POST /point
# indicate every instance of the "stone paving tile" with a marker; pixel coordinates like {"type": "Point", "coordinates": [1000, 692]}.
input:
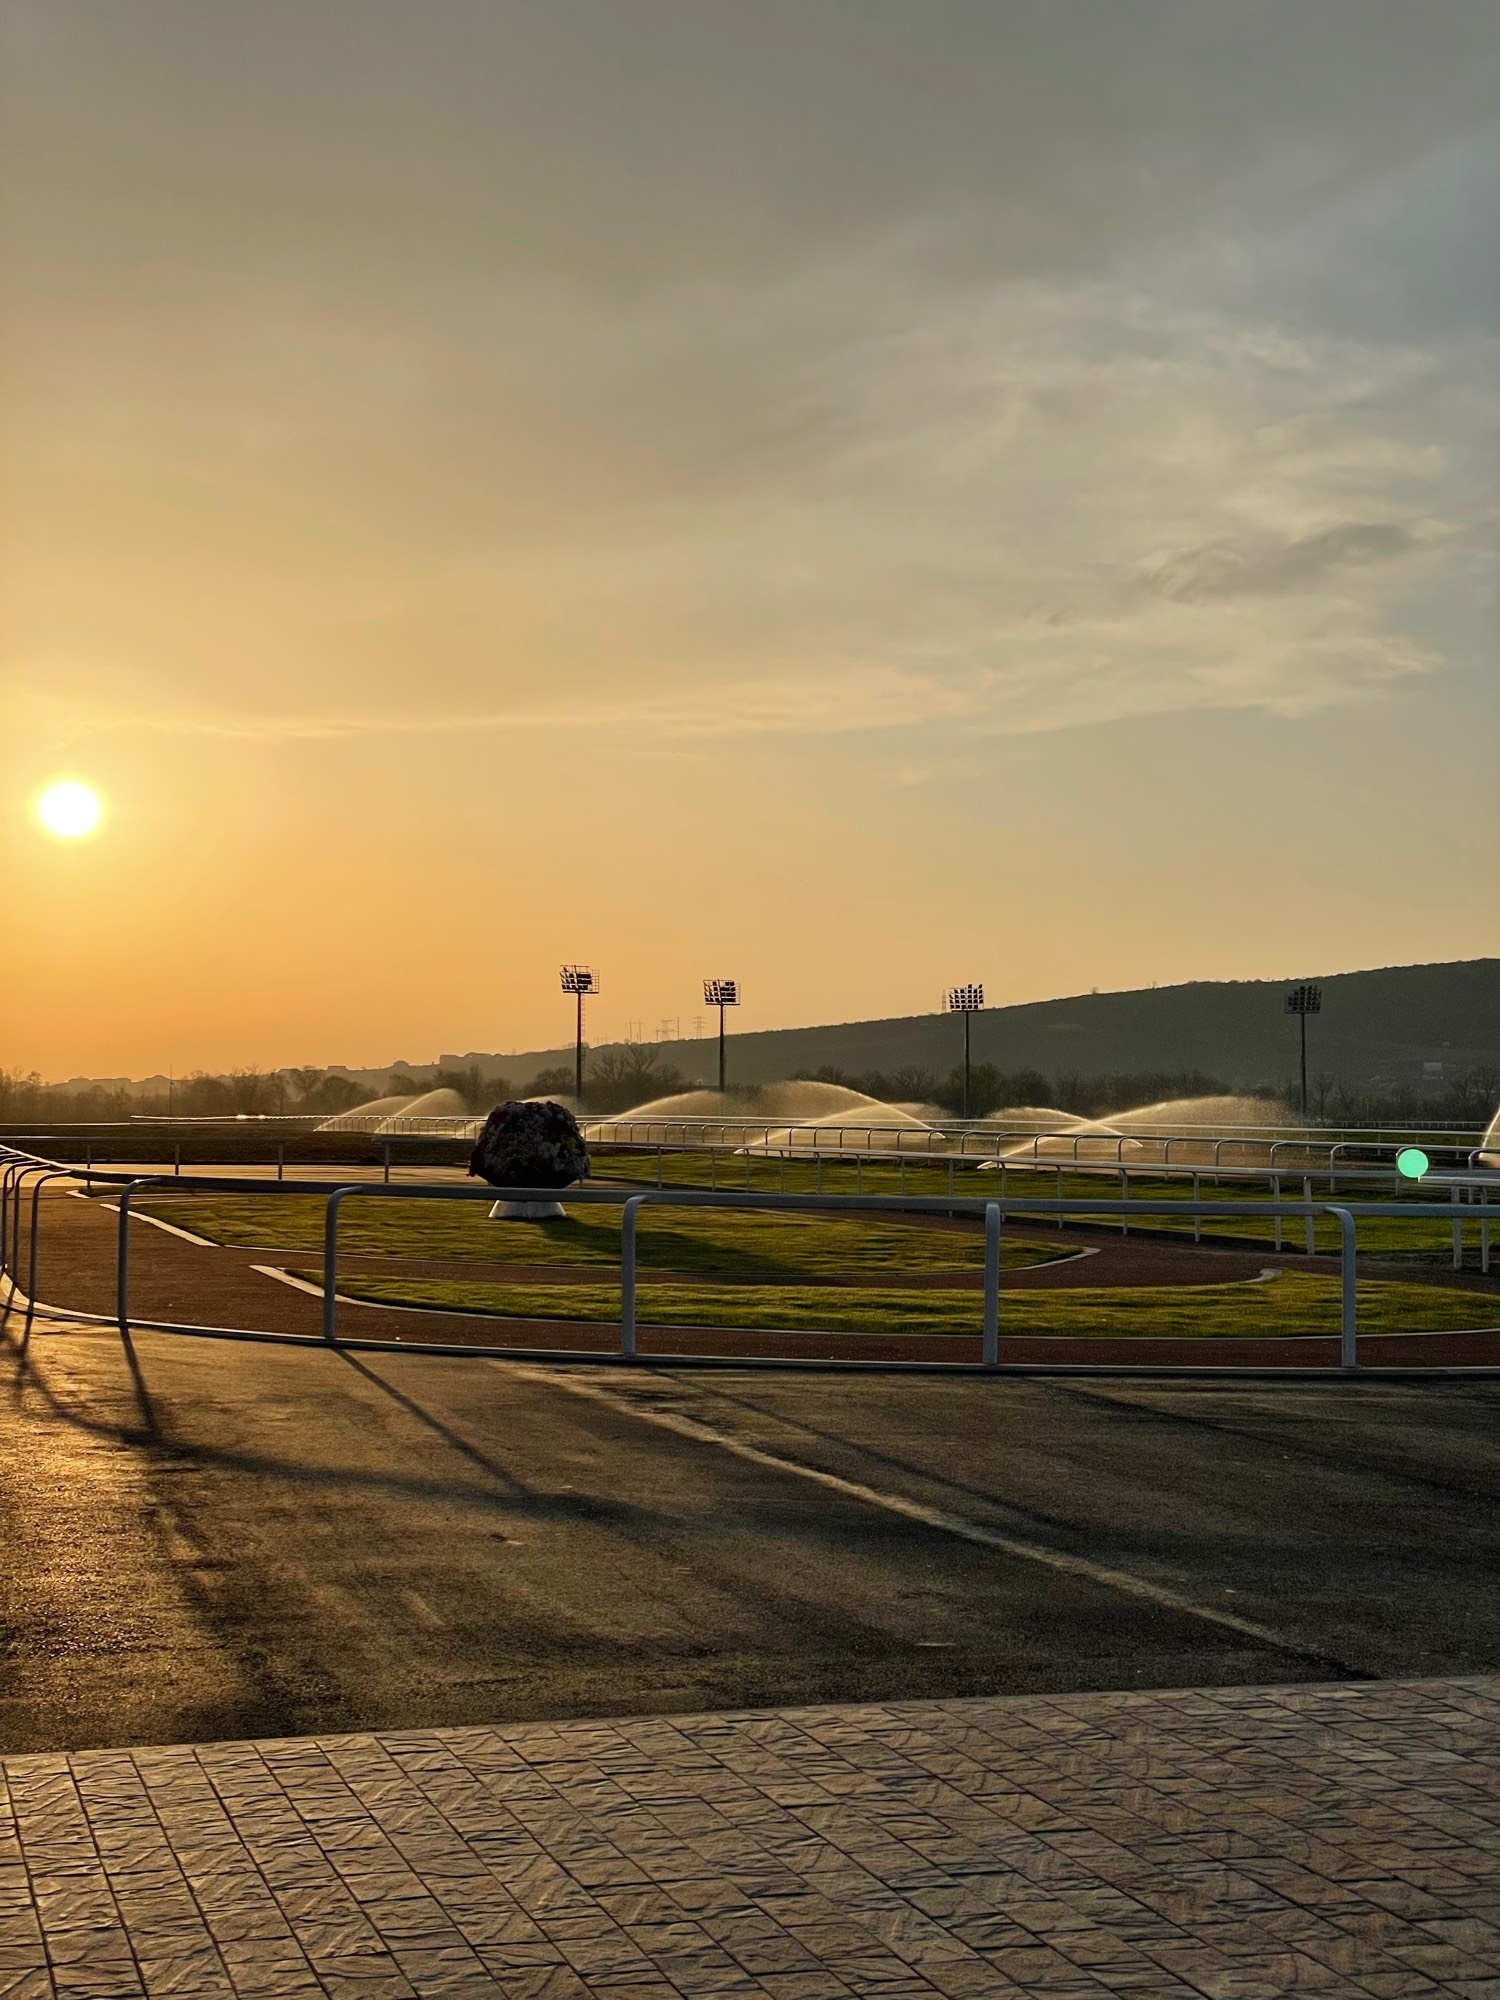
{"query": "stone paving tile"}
{"type": "Point", "coordinates": [1209, 1844]}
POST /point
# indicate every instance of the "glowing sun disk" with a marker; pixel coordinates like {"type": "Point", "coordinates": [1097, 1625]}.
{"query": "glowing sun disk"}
{"type": "Point", "coordinates": [69, 810]}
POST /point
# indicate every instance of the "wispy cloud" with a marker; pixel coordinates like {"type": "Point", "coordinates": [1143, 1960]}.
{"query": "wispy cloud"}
{"type": "Point", "coordinates": [1029, 509]}
{"type": "Point", "coordinates": [1194, 575]}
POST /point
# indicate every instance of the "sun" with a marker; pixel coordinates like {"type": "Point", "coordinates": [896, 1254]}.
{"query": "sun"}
{"type": "Point", "coordinates": [69, 809]}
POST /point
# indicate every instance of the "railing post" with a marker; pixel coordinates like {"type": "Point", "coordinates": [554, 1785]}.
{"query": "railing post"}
{"type": "Point", "coordinates": [1309, 1227]}
{"type": "Point", "coordinates": [1124, 1196]}
{"type": "Point", "coordinates": [18, 1198]}
{"type": "Point", "coordinates": [281, 1160]}
{"type": "Point", "coordinates": [1348, 1289]}
{"type": "Point", "coordinates": [1455, 1196]}
{"type": "Point", "coordinates": [177, 1159]}
{"type": "Point", "coordinates": [627, 1277]}
{"type": "Point", "coordinates": [122, 1260]}
{"type": "Point", "coordinates": [992, 1284]}
{"type": "Point", "coordinates": [1059, 1188]}
{"type": "Point", "coordinates": [11, 1254]}
{"type": "Point", "coordinates": [331, 1262]}
{"type": "Point", "coordinates": [36, 1189]}
{"type": "Point", "coordinates": [1197, 1218]}
{"type": "Point", "coordinates": [10, 1262]}
{"type": "Point", "coordinates": [1276, 1197]}
{"type": "Point", "coordinates": [43, 1180]}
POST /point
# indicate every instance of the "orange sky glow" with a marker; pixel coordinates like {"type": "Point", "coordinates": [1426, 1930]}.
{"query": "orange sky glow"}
{"type": "Point", "coordinates": [854, 498]}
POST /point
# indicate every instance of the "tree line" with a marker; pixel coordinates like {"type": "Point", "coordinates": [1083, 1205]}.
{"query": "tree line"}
{"type": "Point", "coordinates": [620, 1077]}
{"type": "Point", "coordinates": [616, 1079]}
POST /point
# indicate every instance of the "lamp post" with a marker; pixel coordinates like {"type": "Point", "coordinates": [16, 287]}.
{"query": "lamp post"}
{"type": "Point", "coordinates": [580, 982]}
{"type": "Point", "coordinates": [965, 1000]}
{"type": "Point", "coordinates": [1302, 1001]}
{"type": "Point", "coordinates": [721, 993]}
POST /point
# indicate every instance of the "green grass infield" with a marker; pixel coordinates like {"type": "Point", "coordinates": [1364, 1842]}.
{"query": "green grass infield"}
{"type": "Point", "coordinates": [720, 1243]}
{"type": "Point", "coordinates": [1288, 1305]}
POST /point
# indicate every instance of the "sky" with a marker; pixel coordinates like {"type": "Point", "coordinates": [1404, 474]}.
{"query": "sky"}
{"type": "Point", "coordinates": [855, 495]}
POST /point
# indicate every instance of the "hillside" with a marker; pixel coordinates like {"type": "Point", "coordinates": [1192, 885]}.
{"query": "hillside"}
{"type": "Point", "coordinates": [1378, 1029]}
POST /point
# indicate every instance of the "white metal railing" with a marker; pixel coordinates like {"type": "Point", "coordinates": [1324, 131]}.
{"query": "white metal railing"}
{"type": "Point", "coordinates": [25, 1175]}
{"type": "Point", "coordinates": [937, 1151]}
{"type": "Point", "coordinates": [1395, 1132]}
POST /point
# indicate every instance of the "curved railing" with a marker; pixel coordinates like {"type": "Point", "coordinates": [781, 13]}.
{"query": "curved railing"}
{"type": "Point", "coordinates": [23, 1178]}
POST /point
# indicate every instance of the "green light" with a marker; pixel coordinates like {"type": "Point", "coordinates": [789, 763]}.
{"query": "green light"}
{"type": "Point", "coordinates": [1412, 1162]}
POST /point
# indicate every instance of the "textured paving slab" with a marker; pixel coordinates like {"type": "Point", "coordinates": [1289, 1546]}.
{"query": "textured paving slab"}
{"type": "Point", "coordinates": [1227, 1843]}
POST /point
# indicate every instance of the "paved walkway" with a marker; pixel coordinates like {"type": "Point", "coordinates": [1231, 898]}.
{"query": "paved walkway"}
{"type": "Point", "coordinates": [1232, 1844]}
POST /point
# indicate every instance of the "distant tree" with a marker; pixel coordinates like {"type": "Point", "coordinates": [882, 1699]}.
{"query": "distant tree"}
{"type": "Point", "coordinates": [95, 1104]}
{"type": "Point", "coordinates": [250, 1091]}
{"type": "Point", "coordinates": [550, 1083]}
{"type": "Point", "coordinates": [991, 1089]}
{"type": "Point", "coordinates": [631, 1073]}
{"type": "Point", "coordinates": [987, 1091]}
{"type": "Point", "coordinates": [902, 1086]}
{"type": "Point", "coordinates": [1476, 1094]}
{"type": "Point", "coordinates": [1126, 1091]}
{"type": "Point", "coordinates": [478, 1091]}
{"type": "Point", "coordinates": [333, 1093]}
{"type": "Point", "coordinates": [21, 1094]}
{"type": "Point", "coordinates": [912, 1086]}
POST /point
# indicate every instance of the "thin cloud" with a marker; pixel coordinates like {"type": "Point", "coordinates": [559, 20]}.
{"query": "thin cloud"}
{"type": "Point", "coordinates": [1195, 575]}
{"type": "Point", "coordinates": [971, 535]}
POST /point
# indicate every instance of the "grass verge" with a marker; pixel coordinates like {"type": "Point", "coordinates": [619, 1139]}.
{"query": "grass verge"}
{"type": "Point", "coordinates": [1284, 1306]}
{"type": "Point", "coordinates": [774, 1249]}
{"type": "Point", "coordinates": [762, 1175]}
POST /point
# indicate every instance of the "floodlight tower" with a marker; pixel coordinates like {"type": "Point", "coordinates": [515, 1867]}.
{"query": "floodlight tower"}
{"type": "Point", "coordinates": [581, 982]}
{"type": "Point", "coordinates": [721, 993]}
{"type": "Point", "coordinates": [965, 1000]}
{"type": "Point", "coordinates": [1302, 1001]}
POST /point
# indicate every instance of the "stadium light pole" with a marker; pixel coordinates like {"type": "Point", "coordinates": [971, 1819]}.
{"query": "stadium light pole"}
{"type": "Point", "coordinates": [965, 1000]}
{"type": "Point", "coordinates": [721, 993]}
{"type": "Point", "coordinates": [580, 981]}
{"type": "Point", "coordinates": [1302, 1001]}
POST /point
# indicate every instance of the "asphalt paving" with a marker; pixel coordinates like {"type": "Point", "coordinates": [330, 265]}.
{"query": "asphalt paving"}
{"type": "Point", "coordinates": [208, 1539]}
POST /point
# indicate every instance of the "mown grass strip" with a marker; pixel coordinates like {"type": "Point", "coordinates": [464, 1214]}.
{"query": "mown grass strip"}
{"type": "Point", "coordinates": [708, 1242]}
{"type": "Point", "coordinates": [1377, 1234]}
{"type": "Point", "coordinates": [1289, 1305]}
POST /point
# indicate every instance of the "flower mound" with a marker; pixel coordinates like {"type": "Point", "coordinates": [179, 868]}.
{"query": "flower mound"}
{"type": "Point", "coordinates": [530, 1146]}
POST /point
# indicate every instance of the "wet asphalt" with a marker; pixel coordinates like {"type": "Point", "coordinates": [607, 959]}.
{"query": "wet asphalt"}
{"type": "Point", "coordinates": [212, 1539]}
